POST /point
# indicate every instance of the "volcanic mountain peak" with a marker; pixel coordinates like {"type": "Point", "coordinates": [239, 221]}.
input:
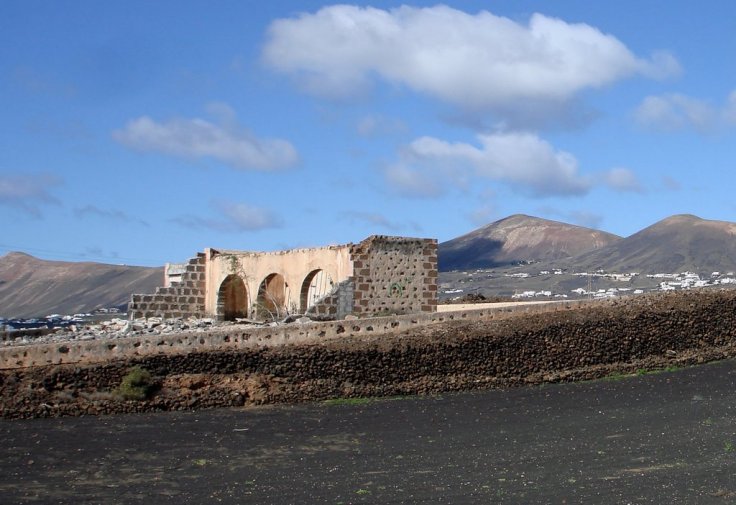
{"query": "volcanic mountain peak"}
{"type": "Point", "coordinates": [691, 222]}
{"type": "Point", "coordinates": [519, 238]}
{"type": "Point", "coordinates": [675, 244]}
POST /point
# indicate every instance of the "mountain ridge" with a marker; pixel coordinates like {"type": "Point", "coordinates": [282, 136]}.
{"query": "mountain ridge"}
{"type": "Point", "coordinates": [33, 287]}
{"type": "Point", "coordinates": [519, 238]}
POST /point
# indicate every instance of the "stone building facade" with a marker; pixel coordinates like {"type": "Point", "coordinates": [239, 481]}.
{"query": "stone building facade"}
{"type": "Point", "coordinates": [381, 275]}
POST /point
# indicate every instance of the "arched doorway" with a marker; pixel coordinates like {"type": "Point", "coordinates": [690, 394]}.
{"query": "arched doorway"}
{"type": "Point", "coordinates": [317, 284]}
{"type": "Point", "coordinates": [232, 299]}
{"type": "Point", "coordinates": [273, 298]}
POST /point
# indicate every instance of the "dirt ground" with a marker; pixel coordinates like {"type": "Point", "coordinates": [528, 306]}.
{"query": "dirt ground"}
{"type": "Point", "coordinates": [668, 437]}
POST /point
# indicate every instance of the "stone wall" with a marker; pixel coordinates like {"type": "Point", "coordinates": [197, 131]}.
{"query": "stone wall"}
{"type": "Point", "coordinates": [573, 343]}
{"type": "Point", "coordinates": [248, 337]}
{"type": "Point", "coordinates": [394, 275]}
{"type": "Point", "coordinates": [335, 305]}
{"type": "Point", "coordinates": [182, 298]}
{"type": "Point", "coordinates": [387, 275]}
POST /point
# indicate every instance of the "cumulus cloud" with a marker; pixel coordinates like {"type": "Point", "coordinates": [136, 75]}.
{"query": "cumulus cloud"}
{"type": "Point", "coordinates": [108, 214]}
{"type": "Point", "coordinates": [233, 217]}
{"type": "Point", "coordinates": [470, 60]}
{"type": "Point", "coordinates": [674, 111]}
{"type": "Point", "coordinates": [525, 162]}
{"type": "Point", "coordinates": [224, 141]}
{"type": "Point", "coordinates": [28, 192]}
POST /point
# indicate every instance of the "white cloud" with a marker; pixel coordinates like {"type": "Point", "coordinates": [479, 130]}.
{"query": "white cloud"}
{"type": "Point", "coordinates": [674, 111]}
{"type": "Point", "coordinates": [474, 61]}
{"type": "Point", "coordinates": [527, 163]}
{"type": "Point", "coordinates": [233, 217]}
{"type": "Point", "coordinates": [28, 192]}
{"type": "Point", "coordinates": [198, 138]}
{"type": "Point", "coordinates": [622, 179]}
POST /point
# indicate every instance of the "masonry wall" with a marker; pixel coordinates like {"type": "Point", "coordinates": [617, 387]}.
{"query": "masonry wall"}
{"type": "Point", "coordinates": [183, 298]}
{"type": "Point", "coordinates": [574, 342]}
{"type": "Point", "coordinates": [394, 275]}
{"type": "Point", "coordinates": [337, 304]}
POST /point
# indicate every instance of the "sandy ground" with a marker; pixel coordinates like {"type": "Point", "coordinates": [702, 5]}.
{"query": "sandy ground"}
{"type": "Point", "coordinates": [658, 438]}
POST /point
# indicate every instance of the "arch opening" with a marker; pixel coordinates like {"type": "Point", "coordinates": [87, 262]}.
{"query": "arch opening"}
{"type": "Point", "coordinates": [232, 299]}
{"type": "Point", "coordinates": [317, 284]}
{"type": "Point", "coordinates": [273, 298]}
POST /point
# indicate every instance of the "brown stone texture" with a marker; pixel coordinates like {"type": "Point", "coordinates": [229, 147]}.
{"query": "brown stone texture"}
{"type": "Point", "coordinates": [175, 300]}
{"type": "Point", "coordinates": [647, 332]}
{"type": "Point", "coordinates": [398, 275]}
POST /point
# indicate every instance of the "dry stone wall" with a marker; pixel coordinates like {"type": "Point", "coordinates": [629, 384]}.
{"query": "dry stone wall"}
{"type": "Point", "coordinates": [183, 298]}
{"type": "Point", "coordinates": [580, 342]}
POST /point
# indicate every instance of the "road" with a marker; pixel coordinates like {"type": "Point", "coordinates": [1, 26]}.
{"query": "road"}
{"type": "Point", "coordinates": [668, 437]}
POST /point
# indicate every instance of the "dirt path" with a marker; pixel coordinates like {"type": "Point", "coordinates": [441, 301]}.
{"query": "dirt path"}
{"type": "Point", "coordinates": [658, 438]}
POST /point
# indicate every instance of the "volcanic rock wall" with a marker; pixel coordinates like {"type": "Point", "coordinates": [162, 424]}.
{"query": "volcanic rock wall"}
{"type": "Point", "coordinates": [394, 275]}
{"type": "Point", "coordinates": [647, 332]}
{"type": "Point", "coordinates": [183, 298]}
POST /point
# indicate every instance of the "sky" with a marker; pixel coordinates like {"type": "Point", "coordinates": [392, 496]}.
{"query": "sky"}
{"type": "Point", "coordinates": [142, 132]}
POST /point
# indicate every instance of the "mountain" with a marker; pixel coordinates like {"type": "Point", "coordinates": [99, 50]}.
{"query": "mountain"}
{"type": "Point", "coordinates": [519, 238]}
{"type": "Point", "coordinates": [31, 287]}
{"type": "Point", "coordinates": [675, 244]}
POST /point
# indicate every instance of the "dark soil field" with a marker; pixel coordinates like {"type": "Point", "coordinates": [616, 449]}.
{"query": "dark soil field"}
{"type": "Point", "coordinates": [667, 437]}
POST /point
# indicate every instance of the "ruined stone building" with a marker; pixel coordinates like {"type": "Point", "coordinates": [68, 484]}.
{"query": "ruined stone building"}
{"type": "Point", "coordinates": [379, 276]}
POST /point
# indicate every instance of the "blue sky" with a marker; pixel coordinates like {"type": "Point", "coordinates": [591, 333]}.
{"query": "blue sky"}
{"type": "Point", "coordinates": [142, 132]}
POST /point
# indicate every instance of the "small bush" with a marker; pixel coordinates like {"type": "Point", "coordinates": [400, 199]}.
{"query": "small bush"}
{"type": "Point", "coordinates": [136, 384]}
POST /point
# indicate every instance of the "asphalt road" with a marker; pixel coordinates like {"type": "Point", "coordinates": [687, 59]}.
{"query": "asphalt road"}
{"type": "Point", "coordinates": [657, 438]}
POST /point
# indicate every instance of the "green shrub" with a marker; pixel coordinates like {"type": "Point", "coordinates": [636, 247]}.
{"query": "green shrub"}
{"type": "Point", "coordinates": [137, 384]}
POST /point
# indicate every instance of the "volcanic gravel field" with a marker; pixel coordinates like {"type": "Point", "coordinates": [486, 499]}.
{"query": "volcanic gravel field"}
{"type": "Point", "coordinates": [667, 437]}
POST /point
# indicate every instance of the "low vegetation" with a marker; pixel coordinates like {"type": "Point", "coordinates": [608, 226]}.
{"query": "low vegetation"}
{"type": "Point", "coordinates": [137, 384]}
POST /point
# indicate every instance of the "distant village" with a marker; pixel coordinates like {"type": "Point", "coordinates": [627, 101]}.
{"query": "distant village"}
{"type": "Point", "coordinates": [57, 320]}
{"type": "Point", "coordinates": [659, 281]}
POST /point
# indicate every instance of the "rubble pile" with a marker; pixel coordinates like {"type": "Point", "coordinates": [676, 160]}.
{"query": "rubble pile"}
{"type": "Point", "coordinates": [123, 328]}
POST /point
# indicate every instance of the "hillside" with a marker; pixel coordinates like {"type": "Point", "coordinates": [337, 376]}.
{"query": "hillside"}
{"type": "Point", "coordinates": [675, 244]}
{"type": "Point", "coordinates": [519, 238]}
{"type": "Point", "coordinates": [31, 287]}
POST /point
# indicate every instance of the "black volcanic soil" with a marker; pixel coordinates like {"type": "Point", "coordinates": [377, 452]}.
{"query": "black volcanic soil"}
{"type": "Point", "coordinates": [659, 438]}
